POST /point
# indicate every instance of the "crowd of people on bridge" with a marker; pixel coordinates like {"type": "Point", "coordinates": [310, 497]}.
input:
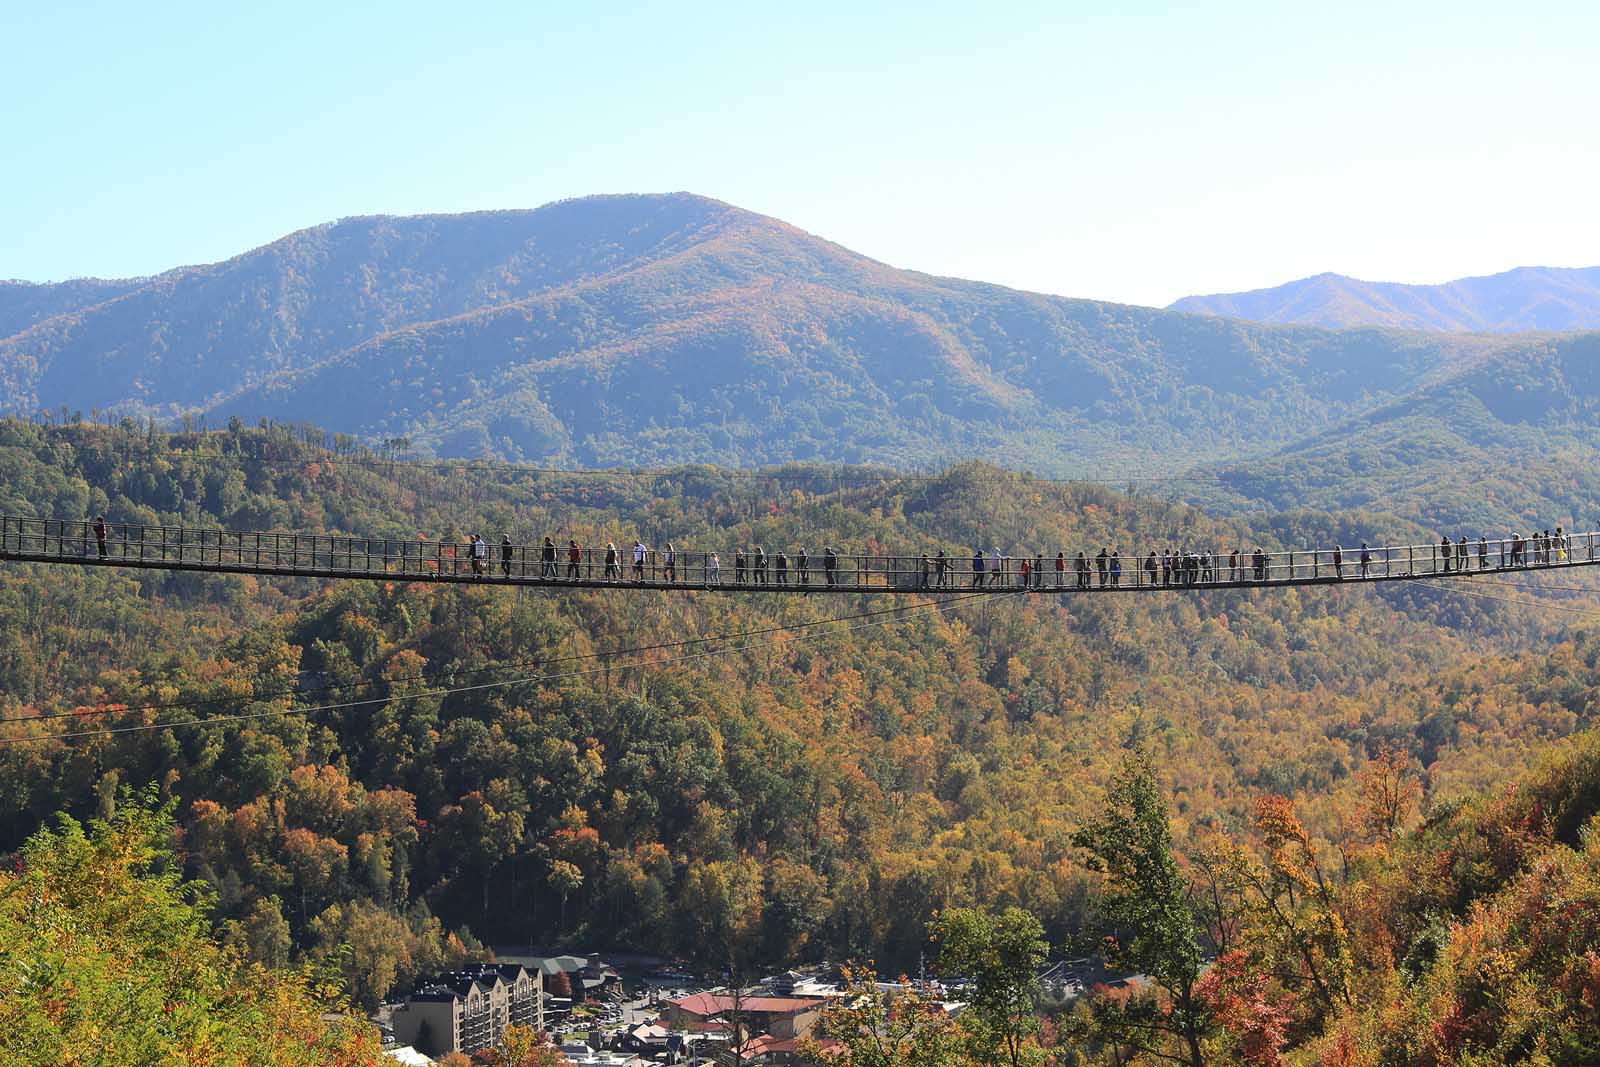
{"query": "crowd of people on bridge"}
{"type": "Point", "coordinates": [991, 569]}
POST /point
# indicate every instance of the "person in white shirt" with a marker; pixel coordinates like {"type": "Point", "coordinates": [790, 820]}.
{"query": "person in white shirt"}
{"type": "Point", "coordinates": [713, 570]}
{"type": "Point", "coordinates": [669, 560]}
{"type": "Point", "coordinates": [639, 552]}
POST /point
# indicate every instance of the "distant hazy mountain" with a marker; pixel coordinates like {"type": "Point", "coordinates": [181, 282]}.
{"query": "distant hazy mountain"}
{"type": "Point", "coordinates": [675, 328]}
{"type": "Point", "coordinates": [1528, 298]}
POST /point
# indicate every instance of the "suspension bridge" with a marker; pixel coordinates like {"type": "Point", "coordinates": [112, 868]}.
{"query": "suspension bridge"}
{"type": "Point", "coordinates": [791, 571]}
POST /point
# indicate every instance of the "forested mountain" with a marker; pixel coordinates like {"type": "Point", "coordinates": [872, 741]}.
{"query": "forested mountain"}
{"type": "Point", "coordinates": [660, 329]}
{"type": "Point", "coordinates": [836, 785]}
{"type": "Point", "coordinates": [1516, 301]}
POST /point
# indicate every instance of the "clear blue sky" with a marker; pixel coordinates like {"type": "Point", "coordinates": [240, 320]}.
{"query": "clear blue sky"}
{"type": "Point", "coordinates": [1133, 152]}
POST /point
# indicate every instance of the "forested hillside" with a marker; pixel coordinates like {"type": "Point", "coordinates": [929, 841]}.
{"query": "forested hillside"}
{"type": "Point", "coordinates": [1514, 301]}
{"type": "Point", "coordinates": [500, 766]}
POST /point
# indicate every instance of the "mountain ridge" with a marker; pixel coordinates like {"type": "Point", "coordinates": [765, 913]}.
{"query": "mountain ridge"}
{"type": "Point", "coordinates": [673, 328]}
{"type": "Point", "coordinates": [1523, 299]}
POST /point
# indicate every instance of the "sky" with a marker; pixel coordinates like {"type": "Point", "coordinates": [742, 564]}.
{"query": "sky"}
{"type": "Point", "coordinates": [1134, 152]}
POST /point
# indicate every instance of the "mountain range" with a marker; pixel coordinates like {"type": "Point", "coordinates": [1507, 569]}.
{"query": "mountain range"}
{"type": "Point", "coordinates": [1516, 301]}
{"type": "Point", "coordinates": [647, 330]}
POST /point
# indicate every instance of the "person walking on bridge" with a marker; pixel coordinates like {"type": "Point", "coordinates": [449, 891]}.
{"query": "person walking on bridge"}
{"type": "Point", "coordinates": [927, 569]}
{"type": "Point", "coordinates": [100, 535]}
{"type": "Point", "coordinates": [505, 555]}
{"type": "Point", "coordinates": [941, 566]}
{"type": "Point", "coordinates": [547, 559]}
{"type": "Point", "coordinates": [997, 569]}
{"type": "Point", "coordinates": [478, 548]}
{"type": "Point", "coordinates": [1461, 555]}
{"type": "Point", "coordinates": [613, 564]}
{"type": "Point", "coordinates": [802, 564]}
{"type": "Point", "coordinates": [1150, 567]}
{"type": "Point", "coordinates": [977, 569]}
{"type": "Point", "coordinates": [639, 553]}
{"type": "Point", "coordinates": [783, 569]}
{"type": "Point", "coordinates": [1338, 562]}
{"type": "Point", "coordinates": [1166, 568]}
{"type": "Point", "coordinates": [1081, 566]}
{"type": "Point", "coordinates": [1024, 573]}
{"type": "Point", "coordinates": [830, 565]}
{"type": "Point", "coordinates": [1116, 569]}
{"type": "Point", "coordinates": [1101, 566]}
{"type": "Point", "coordinates": [669, 562]}
{"type": "Point", "coordinates": [1366, 558]}
{"type": "Point", "coordinates": [574, 559]}
{"type": "Point", "coordinates": [1061, 569]}
{"type": "Point", "coordinates": [1447, 550]}
{"type": "Point", "coordinates": [713, 570]}
{"type": "Point", "coordinates": [760, 567]}
{"type": "Point", "coordinates": [1483, 552]}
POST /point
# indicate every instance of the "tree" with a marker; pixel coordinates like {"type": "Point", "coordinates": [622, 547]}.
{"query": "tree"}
{"type": "Point", "coordinates": [106, 956]}
{"type": "Point", "coordinates": [878, 1028]}
{"type": "Point", "coordinates": [565, 879]}
{"type": "Point", "coordinates": [1146, 904]}
{"type": "Point", "coordinates": [520, 1046]}
{"type": "Point", "coordinates": [559, 985]}
{"type": "Point", "coordinates": [1298, 929]}
{"type": "Point", "coordinates": [1000, 954]}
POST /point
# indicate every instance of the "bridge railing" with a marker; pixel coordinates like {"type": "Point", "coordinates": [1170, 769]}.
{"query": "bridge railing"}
{"type": "Point", "coordinates": [203, 547]}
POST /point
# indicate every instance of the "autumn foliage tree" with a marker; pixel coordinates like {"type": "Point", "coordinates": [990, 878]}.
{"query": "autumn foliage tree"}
{"type": "Point", "coordinates": [107, 957]}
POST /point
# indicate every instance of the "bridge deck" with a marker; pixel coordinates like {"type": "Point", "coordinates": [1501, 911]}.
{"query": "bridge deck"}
{"type": "Point", "coordinates": [216, 551]}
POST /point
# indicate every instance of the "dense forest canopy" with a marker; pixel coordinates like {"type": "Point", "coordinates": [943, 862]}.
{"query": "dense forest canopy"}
{"type": "Point", "coordinates": [848, 782]}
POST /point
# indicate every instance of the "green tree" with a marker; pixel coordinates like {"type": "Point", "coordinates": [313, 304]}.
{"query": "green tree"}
{"type": "Point", "coordinates": [1001, 955]}
{"type": "Point", "coordinates": [1145, 902]}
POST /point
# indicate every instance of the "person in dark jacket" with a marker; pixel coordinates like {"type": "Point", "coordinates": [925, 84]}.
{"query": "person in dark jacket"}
{"type": "Point", "coordinates": [505, 555]}
{"type": "Point", "coordinates": [547, 559]}
{"type": "Point", "coordinates": [977, 568]}
{"type": "Point", "coordinates": [830, 564]}
{"type": "Point", "coordinates": [100, 535]}
{"type": "Point", "coordinates": [1101, 566]}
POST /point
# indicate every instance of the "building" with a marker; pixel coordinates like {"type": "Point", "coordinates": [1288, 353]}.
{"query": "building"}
{"type": "Point", "coordinates": [464, 1011]}
{"type": "Point", "coordinates": [590, 976]}
{"type": "Point", "coordinates": [785, 1018]}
